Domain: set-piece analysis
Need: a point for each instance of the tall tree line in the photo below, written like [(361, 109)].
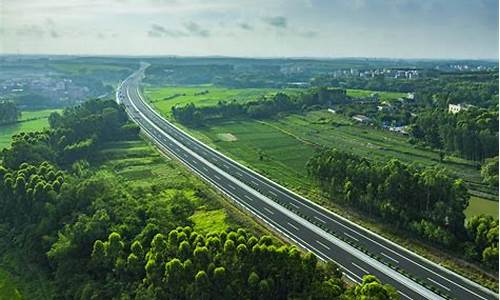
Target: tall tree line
[(427, 202), (472, 134)]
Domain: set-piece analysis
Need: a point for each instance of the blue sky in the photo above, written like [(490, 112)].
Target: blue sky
[(262, 28)]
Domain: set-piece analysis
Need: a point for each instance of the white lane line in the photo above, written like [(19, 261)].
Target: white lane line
[(253, 182), (217, 177), (435, 282), (350, 236), (273, 193), (388, 257), (246, 196), (294, 205), (205, 168), (323, 244), (293, 226), (239, 174), (269, 211), (404, 295), (232, 187), (321, 220), (360, 268), (194, 161)]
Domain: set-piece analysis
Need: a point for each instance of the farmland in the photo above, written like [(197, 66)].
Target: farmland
[(281, 147), (383, 96), (30, 121), (165, 98)]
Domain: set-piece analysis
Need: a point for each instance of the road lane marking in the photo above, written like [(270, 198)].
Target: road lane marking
[(354, 264), (273, 193), (435, 282), (323, 244), (218, 178), (232, 187), (239, 174), (293, 226), (254, 182), (205, 168), (404, 295), (321, 220), (350, 236), (269, 211), (246, 196), (292, 204), (388, 257)]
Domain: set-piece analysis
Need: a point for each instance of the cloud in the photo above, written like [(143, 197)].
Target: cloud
[(30, 30), (191, 29), (278, 21), (246, 26), (54, 34), (309, 34), (196, 30)]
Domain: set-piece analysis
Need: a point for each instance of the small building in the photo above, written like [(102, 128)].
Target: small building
[(361, 118), (455, 108)]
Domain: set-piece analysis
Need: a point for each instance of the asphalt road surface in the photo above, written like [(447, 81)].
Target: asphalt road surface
[(356, 250)]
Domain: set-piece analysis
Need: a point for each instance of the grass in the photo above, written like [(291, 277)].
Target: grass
[(203, 95), (8, 288), (479, 206), (209, 221), (146, 172), (383, 96), (30, 121)]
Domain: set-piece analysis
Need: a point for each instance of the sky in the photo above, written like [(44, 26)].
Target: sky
[(252, 28)]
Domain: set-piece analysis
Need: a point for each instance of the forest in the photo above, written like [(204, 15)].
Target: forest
[(97, 240), (426, 202), (472, 133)]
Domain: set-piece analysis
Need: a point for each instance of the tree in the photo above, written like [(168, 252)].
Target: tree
[(489, 171)]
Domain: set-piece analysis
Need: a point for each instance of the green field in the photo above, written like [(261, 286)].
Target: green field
[(281, 147), (479, 206), (202, 95), (383, 96), (30, 121)]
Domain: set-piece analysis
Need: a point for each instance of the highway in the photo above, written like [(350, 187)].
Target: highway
[(356, 250)]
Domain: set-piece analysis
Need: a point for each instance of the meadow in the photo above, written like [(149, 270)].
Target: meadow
[(383, 96), (165, 98), (281, 147), (29, 121)]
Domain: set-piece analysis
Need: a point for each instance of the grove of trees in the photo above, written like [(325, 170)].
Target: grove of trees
[(426, 202), (472, 134)]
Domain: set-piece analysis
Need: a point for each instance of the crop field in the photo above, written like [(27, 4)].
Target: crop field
[(383, 96), (85, 68), (30, 121), (281, 147), (165, 98)]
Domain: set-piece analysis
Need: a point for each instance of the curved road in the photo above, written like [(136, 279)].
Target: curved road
[(356, 250)]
